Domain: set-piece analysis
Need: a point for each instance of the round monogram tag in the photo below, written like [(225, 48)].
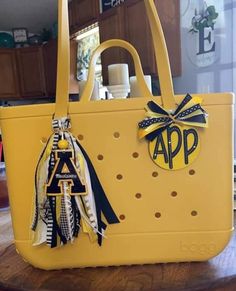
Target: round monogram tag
[(175, 148)]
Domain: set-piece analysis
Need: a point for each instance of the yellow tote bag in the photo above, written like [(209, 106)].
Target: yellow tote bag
[(156, 170)]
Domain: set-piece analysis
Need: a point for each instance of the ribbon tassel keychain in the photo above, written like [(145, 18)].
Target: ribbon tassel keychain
[(69, 196)]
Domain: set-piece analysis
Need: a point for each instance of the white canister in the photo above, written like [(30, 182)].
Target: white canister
[(134, 86), (119, 91), (118, 74)]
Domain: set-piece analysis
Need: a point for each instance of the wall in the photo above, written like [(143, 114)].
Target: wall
[(213, 71), (217, 76), (32, 14)]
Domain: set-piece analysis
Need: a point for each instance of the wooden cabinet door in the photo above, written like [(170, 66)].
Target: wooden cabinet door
[(138, 33), (111, 25), (169, 13), (50, 67), (72, 16), (9, 85), (86, 13), (129, 21), (31, 72)]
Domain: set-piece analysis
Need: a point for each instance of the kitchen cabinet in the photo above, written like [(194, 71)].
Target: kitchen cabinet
[(129, 22), (22, 73), (110, 26), (28, 72), (169, 12), (72, 15), (9, 83), (50, 66), (138, 33), (82, 13), (31, 72)]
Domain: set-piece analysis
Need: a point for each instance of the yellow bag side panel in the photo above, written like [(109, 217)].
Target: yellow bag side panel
[(141, 237)]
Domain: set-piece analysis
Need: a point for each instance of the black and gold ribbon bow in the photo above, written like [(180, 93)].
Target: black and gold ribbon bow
[(189, 113)]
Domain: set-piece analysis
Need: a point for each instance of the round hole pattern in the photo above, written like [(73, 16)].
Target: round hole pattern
[(155, 174), (135, 155), (43, 140), (192, 172), (116, 134), (194, 213), (174, 194), (80, 137), (122, 217), (157, 214), (100, 157), (119, 177), (138, 195)]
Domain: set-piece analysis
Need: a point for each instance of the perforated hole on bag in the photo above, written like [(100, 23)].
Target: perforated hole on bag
[(138, 195), (154, 174), (116, 134), (135, 155), (100, 157), (192, 172), (122, 217), (80, 137), (194, 213), (174, 193), (119, 177), (158, 215)]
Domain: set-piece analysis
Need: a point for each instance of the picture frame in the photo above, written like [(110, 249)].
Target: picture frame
[(20, 35), (107, 4)]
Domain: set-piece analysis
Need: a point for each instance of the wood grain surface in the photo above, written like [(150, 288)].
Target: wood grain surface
[(217, 274)]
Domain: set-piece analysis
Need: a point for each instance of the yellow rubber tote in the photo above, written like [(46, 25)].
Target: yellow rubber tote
[(171, 209)]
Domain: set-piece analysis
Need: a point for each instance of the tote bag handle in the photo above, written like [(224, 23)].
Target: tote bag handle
[(137, 64), (63, 67), (161, 54), (63, 61)]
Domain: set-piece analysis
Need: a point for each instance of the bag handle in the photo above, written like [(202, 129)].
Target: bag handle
[(162, 58), (137, 64), (63, 60), (63, 65)]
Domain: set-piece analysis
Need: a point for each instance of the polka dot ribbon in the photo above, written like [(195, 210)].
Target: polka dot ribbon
[(189, 112)]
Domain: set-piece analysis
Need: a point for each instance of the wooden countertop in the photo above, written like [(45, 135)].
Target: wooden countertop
[(216, 274)]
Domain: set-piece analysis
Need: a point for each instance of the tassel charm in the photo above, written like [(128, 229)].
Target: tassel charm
[(69, 197)]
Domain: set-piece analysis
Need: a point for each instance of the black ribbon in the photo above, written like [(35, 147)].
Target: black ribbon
[(102, 203)]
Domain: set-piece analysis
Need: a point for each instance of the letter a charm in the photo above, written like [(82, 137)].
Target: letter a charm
[(65, 171)]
